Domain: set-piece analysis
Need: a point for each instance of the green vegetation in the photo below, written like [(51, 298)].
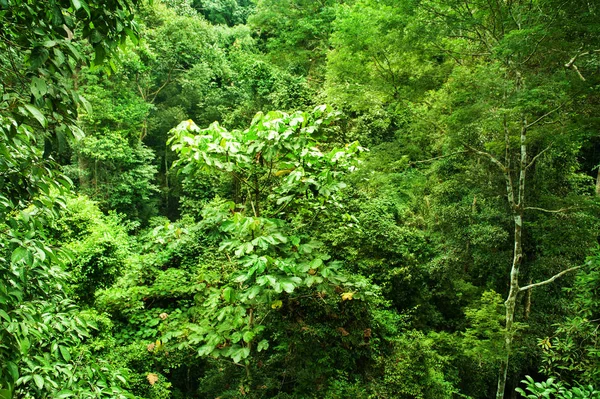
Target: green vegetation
[(181, 217)]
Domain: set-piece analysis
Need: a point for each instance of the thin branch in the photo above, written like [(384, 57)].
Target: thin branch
[(252, 203), (544, 116), (538, 155), (551, 279), (572, 60), (533, 208), (546, 29), (440, 157), (578, 73), (157, 92), (535, 48), (488, 155)]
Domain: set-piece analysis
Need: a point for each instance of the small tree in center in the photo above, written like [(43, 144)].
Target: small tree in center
[(283, 179)]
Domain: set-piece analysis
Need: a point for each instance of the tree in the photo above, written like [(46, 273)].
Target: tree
[(283, 178)]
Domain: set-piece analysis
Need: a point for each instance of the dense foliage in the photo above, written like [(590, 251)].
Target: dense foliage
[(180, 217)]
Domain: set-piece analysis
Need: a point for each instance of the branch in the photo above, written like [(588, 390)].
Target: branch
[(572, 60), (157, 92), (533, 208), (571, 63), (551, 279), (436, 158), (488, 155), (538, 155), (544, 116)]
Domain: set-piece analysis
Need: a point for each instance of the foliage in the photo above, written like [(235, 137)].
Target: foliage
[(41, 47), (263, 256), (572, 352), (281, 175), (555, 389)]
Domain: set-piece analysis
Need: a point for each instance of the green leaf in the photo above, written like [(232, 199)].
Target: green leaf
[(64, 351), (248, 336), (288, 286), (5, 315), (13, 370), (240, 354), (19, 254), (262, 345), (37, 114), (25, 345), (228, 294), (132, 35), (38, 87), (5, 394), (39, 381)]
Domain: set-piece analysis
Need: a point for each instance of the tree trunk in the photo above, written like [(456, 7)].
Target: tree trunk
[(511, 303), (517, 205)]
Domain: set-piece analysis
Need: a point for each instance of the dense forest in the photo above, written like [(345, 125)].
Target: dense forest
[(299, 199)]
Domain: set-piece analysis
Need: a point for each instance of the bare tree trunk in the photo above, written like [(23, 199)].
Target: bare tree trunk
[(517, 205)]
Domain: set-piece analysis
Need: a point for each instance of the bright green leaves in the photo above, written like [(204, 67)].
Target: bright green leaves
[(280, 158), (38, 87), (283, 167), (262, 345)]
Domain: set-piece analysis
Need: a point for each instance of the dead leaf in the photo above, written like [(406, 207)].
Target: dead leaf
[(152, 378), (343, 331)]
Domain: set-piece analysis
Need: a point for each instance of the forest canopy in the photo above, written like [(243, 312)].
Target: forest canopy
[(299, 199)]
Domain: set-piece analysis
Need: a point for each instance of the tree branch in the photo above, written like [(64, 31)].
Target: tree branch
[(538, 155), (533, 208), (488, 155), (571, 63), (544, 116), (551, 279), (436, 158)]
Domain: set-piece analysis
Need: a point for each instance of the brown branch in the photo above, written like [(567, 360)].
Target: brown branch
[(157, 92), (551, 279)]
